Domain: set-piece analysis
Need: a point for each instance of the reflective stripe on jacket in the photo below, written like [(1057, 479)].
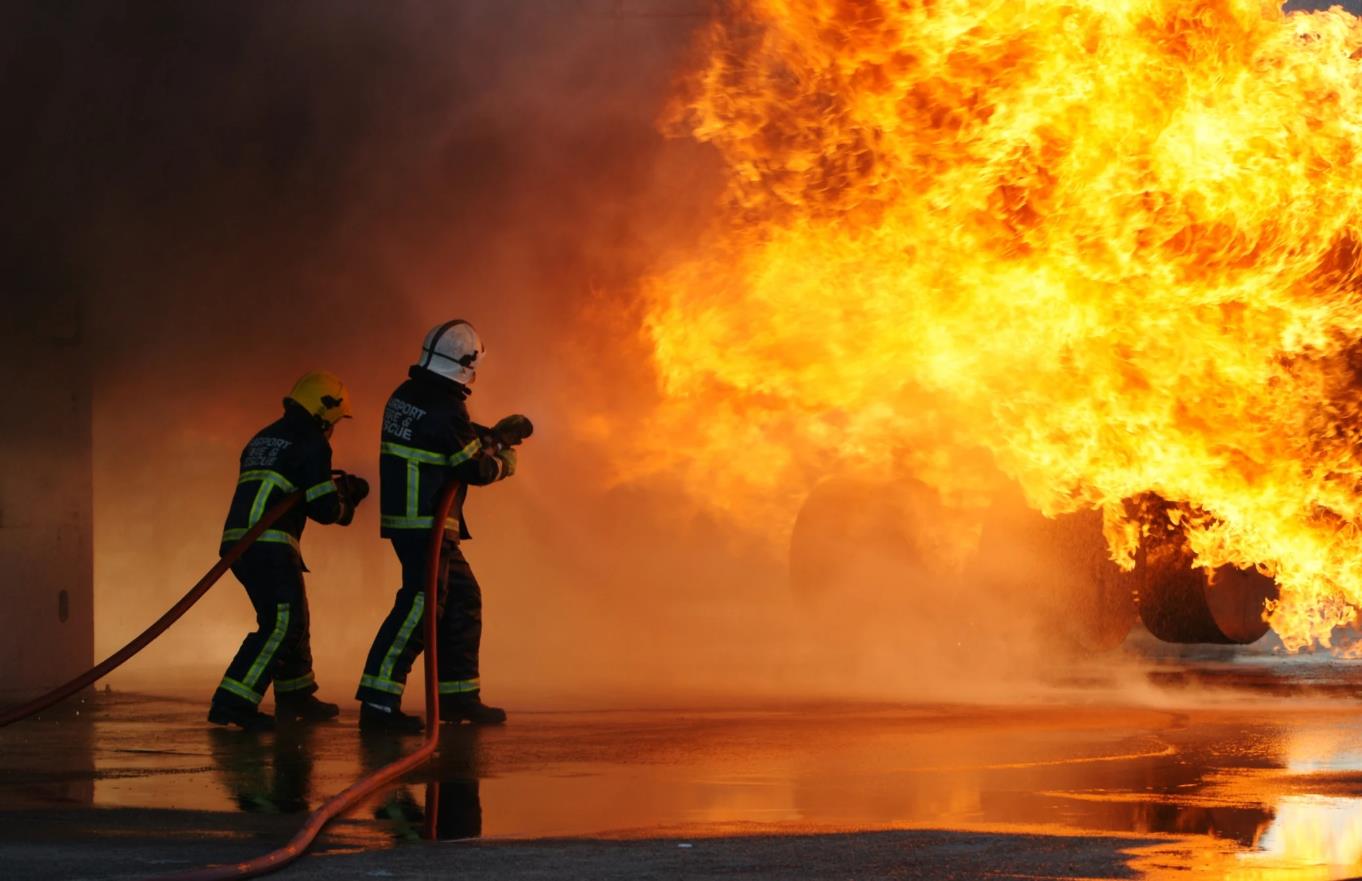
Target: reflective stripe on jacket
[(288, 455), (428, 441)]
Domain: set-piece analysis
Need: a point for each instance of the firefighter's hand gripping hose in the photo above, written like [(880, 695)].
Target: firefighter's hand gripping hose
[(174, 614), (365, 786)]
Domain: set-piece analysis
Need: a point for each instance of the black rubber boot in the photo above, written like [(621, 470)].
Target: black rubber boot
[(304, 709), (372, 717), (246, 720), (455, 708)]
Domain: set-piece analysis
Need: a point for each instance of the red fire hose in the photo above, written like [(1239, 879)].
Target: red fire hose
[(176, 611), (348, 798)]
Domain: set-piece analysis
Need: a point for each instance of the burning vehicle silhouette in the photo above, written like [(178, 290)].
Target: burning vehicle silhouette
[(1062, 565)]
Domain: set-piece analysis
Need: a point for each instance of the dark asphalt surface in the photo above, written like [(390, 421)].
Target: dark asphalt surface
[(1249, 770)]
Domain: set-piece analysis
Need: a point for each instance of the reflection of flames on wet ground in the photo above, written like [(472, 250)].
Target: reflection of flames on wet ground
[(1106, 250), (1320, 828), (1313, 831), (1300, 822), (1304, 838)]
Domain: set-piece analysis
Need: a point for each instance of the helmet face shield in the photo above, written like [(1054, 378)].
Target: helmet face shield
[(453, 350)]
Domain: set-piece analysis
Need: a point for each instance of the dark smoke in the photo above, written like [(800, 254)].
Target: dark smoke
[(244, 191), (1353, 6)]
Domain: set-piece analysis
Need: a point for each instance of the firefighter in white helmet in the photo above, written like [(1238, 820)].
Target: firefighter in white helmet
[(428, 442)]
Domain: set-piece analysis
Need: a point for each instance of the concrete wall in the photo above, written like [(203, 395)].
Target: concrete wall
[(46, 496)]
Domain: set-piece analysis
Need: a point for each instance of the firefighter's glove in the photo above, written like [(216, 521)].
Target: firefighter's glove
[(353, 487), (507, 457), (512, 430), (352, 490)]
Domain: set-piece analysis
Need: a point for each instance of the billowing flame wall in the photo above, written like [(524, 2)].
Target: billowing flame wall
[(1100, 247)]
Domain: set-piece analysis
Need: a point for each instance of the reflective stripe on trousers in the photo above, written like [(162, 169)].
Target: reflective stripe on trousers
[(401, 637), (278, 652), (245, 687)]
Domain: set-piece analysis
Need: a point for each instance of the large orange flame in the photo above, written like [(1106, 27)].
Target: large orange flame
[(1105, 247)]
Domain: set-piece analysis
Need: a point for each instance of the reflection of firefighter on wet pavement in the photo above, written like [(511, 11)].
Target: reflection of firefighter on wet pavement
[(266, 778), (451, 795), (289, 455), (428, 442)]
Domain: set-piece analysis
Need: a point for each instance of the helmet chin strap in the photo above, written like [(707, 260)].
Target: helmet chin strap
[(468, 360), (435, 341), (466, 365)]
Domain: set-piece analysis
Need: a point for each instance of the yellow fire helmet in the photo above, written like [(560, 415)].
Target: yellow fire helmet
[(323, 395)]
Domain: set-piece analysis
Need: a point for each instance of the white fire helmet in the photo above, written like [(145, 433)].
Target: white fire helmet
[(453, 350)]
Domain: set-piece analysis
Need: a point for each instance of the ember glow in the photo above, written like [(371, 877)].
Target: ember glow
[(1100, 249)]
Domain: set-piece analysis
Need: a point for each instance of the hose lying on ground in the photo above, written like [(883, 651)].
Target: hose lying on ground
[(338, 804), (89, 677)]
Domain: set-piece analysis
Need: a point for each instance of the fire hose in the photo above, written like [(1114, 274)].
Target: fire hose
[(111, 663), (346, 799), (365, 786), (509, 432)]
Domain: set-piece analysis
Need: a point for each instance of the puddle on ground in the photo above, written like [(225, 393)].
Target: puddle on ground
[(1253, 794)]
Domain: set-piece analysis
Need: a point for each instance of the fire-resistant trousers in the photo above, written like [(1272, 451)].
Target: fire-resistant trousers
[(280, 650), (402, 636)]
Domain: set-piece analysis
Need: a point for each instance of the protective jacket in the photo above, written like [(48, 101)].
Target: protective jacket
[(428, 441), (286, 456)]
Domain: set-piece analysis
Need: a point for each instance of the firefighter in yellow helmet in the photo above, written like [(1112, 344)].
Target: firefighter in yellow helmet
[(290, 454)]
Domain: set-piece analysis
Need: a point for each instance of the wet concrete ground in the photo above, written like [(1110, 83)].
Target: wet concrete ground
[(1248, 769)]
